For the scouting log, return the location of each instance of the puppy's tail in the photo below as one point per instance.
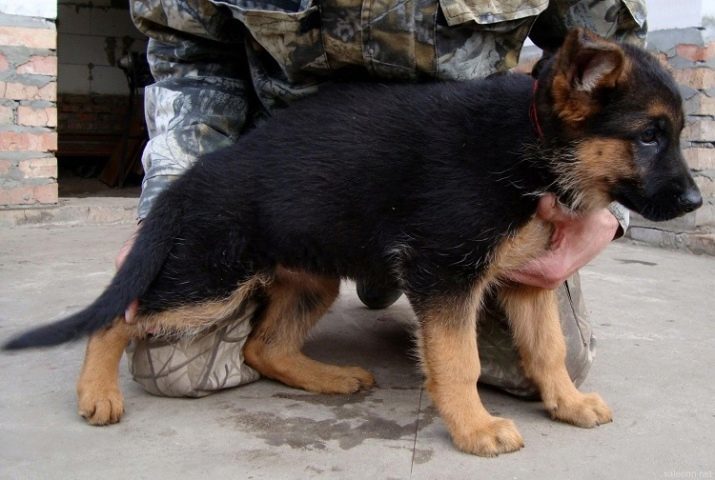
(140, 268)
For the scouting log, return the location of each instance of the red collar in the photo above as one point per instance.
(533, 114)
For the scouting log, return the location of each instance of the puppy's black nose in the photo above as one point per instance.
(690, 200)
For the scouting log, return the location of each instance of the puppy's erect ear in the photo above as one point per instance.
(592, 61)
(585, 64)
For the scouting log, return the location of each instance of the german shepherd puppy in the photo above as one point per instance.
(434, 186)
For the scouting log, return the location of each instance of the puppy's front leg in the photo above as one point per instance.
(534, 317)
(451, 363)
(99, 397)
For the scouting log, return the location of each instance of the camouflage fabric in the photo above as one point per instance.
(195, 366)
(501, 366)
(221, 66)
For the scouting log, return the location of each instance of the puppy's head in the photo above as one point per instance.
(621, 113)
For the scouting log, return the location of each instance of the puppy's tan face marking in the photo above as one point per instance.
(658, 110)
(602, 163)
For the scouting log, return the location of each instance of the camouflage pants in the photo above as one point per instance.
(213, 361)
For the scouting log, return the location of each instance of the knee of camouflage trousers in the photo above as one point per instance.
(501, 366)
(194, 366)
(213, 361)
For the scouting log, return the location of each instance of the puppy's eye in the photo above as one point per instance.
(649, 135)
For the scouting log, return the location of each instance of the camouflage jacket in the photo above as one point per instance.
(220, 65)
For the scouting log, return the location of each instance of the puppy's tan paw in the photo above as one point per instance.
(585, 410)
(100, 406)
(344, 380)
(492, 437)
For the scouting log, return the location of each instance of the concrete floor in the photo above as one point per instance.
(653, 313)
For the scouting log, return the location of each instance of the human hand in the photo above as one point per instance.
(576, 240)
(130, 313)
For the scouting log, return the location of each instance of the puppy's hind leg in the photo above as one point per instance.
(296, 300)
(534, 318)
(99, 398)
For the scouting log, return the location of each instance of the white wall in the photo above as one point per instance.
(91, 38)
(666, 14)
(709, 8)
(30, 8)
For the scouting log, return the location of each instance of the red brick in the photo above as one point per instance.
(701, 104)
(7, 115)
(20, 91)
(696, 53)
(28, 141)
(705, 184)
(37, 117)
(39, 65)
(707, 105)
(48, 92)
(28, 37)
(700, 130)
(700, 158)
(47, 193)
(29, 194)
(6, 165)
(38, 167)
(691, 52)
(699, 78)
(709, 51)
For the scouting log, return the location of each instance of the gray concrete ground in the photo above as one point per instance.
(653, 312)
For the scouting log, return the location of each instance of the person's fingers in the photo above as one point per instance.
(130, 314)
(547, 207)
(550, 210)
(541, 272)
(124, 249)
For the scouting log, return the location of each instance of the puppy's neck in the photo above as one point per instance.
(566, 179)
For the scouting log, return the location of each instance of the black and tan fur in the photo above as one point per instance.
(434, 186)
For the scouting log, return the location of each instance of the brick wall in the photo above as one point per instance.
(28, 111)
(94, 125)
(92, 36)
(689, 54)
(94, 114)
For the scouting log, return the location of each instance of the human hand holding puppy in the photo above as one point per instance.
(576, 241)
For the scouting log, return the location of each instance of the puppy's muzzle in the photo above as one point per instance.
(690, 200)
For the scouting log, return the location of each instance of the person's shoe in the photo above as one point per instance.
(377, 296)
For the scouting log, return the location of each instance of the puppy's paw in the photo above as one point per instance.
(100, 406)
(492, 437)
(584, 410)
(346, 380)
